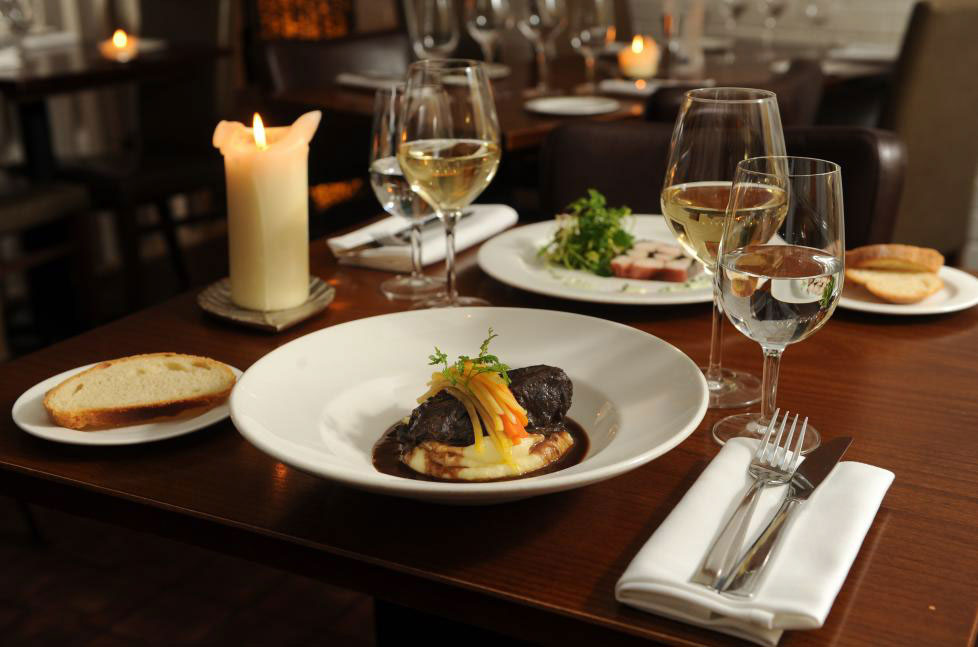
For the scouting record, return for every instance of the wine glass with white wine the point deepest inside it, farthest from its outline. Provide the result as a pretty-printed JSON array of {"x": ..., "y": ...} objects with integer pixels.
[
  {"x": 449, "y": 147},
  {"x": 716, "y": 128},
  {"x": 780, "y": 270}
]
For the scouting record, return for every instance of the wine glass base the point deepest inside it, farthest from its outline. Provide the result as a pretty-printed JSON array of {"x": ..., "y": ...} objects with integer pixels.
[
  {"x": 733, "y": 389},
  {"x": 445, "y": 302},
  {"x": 412, "y": 288},
  {"x": 750, "y": 425}
]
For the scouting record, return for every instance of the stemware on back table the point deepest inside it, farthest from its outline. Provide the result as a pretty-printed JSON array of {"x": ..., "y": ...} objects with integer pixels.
[
  {"x": 780, "y": 269},
  {"x": 591, "y": 24},
  {"x": 449, "y": 146},
  {"x": 541, "y": 21},
  {"x": 432, "y": 26},
  {"x": 716, "y": 128},
  {"x": 485, "y": 20}
]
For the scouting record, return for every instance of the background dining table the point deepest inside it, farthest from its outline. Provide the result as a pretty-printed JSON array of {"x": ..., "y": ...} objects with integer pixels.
[{"x": 544, "y": 569}]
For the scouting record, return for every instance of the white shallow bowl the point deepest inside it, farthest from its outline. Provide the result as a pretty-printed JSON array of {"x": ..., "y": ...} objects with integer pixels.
[{"x": 321, "y": 402}]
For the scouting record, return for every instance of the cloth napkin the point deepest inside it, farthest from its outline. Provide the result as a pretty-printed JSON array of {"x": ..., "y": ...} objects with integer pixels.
[
  {"x": 804, "y": 573},
  {"x": 648, "y": 87},
  {"x": 367, "y": 82},
  {"x": 486, "y": 221}
]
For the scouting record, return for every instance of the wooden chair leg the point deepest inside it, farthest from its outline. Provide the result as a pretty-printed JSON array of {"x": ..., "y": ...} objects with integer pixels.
[
  {"x": 169, "y": 226},
  {"x": 128, "y": 232}
]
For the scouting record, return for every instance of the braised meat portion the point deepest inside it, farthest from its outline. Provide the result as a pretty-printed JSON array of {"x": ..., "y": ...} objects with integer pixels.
[{"x": 544, "y": 391}]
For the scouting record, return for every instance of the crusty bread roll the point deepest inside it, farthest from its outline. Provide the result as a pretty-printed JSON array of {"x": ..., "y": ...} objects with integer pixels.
[
  {"x": 138, "y": 389},
  {"x": 896, "y": 287},
  {"x": 904, "y": 258}
]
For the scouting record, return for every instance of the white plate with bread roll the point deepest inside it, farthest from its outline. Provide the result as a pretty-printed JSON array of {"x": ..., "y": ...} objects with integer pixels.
[
  {"x": 131, "y": 400},
  {"x": 905, "y": 280}
]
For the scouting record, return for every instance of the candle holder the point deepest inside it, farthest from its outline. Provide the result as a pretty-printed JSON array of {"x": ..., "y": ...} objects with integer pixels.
[
  {"x": 268, "y": 211},
  {"x": 216, "y": 300}
]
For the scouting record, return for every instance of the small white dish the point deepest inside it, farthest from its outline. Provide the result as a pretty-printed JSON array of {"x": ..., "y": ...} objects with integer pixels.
[
  {"x": 321, "y": 402},
  {"x": 960, "y": 292},
  {"x": 572, "y": 106},
  {"x": 511, "y": 257},
  {"x": 29, "y": 414}
]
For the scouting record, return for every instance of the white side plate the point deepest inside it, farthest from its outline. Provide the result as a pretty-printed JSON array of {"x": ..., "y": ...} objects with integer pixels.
[
  {"x": 960, "y": 292},
  {"x": 570, "y": 106},
  {"x": 29, "y": 414}
]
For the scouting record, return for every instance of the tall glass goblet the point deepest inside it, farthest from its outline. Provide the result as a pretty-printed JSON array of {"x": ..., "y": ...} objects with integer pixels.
[
  {"x": 540, "y": 21},
  {"x": 590, "y": 21},
  {"x": 485, "y": 20},
  {"x": 772, "y": 11},
  {"x": 716, "y": 128},
  {"x": 449, "y": 146},
  {"x": 433, "y": 27},
  {"x": 396, "y": 197},
  {"x": 781, "y": 268}
]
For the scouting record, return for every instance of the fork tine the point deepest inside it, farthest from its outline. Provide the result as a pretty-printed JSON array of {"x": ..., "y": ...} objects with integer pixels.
[
  {"x": 777, "y": 441},
  {"x": 800, "y": 445},
  {"x": 765, "y": 442},
  {"x": 787, "y": 443}
]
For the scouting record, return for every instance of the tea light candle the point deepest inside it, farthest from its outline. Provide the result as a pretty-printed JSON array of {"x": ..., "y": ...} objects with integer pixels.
[
  {"x": 121, "y": 47},
  {"x": 266, "y": 171},
  {"x": 641, "y": 60}
]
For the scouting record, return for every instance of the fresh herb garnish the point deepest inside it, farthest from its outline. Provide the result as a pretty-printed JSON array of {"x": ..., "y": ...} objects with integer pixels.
[
  {"x": 484, "y": 363},
  {"x": 589, "y": 235}
]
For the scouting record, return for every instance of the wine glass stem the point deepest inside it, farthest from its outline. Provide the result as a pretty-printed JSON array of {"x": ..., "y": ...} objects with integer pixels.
[
  {"x": 543, "y": 82},
  {"x": 450, "y": 218},
  {"x": 714, "y": 374},
  {"x": 589, "y": 65},
  {"x": 769, "y": 389},
  {"x": 486, "y": 47},
  {"x": 416, "y": 250}
]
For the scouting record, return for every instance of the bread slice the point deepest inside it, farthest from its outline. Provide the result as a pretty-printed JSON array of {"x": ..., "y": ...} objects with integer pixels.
[
  {"x": 896, "y": 287},
  {"x": 905, "y": 258},
  {"x": 138, "y": 389}
]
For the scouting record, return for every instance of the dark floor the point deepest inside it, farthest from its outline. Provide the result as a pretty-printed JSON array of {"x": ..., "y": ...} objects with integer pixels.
[{"x": 89, "y": 584}]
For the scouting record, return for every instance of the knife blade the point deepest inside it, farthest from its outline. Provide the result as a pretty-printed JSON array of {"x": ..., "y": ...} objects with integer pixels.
[
  {"x": 400, "y": 236},
  {"x": 745, "y": 575}
]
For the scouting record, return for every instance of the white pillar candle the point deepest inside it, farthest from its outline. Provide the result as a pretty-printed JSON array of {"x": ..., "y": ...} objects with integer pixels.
[
  {"x": 267, "y": 177},
  {"x": 641, "y": 59}
]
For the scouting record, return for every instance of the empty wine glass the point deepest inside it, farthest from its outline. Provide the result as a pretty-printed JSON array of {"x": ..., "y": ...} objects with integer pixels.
[
  {"x": 540, "y": 21},
  {"x": 772, "y": 11},
  {"x": 590, "y": 22},
  {"x": 716, "y": 128},
  {"x": 19, "y": 15},
  {"x": 485, "y": 21},
  {"x": 449, "y": 146},
  {"x": 396, "y": 197},
  {"x": 432, "y": 26},
  {"x": 781, "y": 267}
]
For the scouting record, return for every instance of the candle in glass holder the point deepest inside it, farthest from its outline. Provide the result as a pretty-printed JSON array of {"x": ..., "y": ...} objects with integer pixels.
[
  {"x": 641, "y": 59},
  {"x": 266, "y": 171},
  {"x": 121, "y": 47}
]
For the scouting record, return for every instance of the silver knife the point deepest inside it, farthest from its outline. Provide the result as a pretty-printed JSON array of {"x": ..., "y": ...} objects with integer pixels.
[
  {"x": 743, "y": 578},
  {"x": 398, "y": 237}
]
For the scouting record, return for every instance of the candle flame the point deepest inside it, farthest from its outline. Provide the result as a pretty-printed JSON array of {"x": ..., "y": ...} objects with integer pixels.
[
  {"x": 258, "y": 128},
  {"x": 119, "y": 38},
  {"x": 638, "y": 44}
]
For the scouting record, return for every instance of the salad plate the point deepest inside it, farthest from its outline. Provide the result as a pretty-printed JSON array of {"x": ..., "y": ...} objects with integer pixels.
[
  {"x": 512, "y": 258},
  {"x": 960, "y": 292},
  {"x": 321, "y": 402}
]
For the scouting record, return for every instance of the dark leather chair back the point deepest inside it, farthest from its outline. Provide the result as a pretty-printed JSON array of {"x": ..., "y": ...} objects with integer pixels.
[
  {"x": 799, "y": 92},
  {"x": 626, "y": 161}
]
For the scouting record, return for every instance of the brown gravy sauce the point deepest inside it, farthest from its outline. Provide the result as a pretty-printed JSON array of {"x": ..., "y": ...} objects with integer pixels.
[{"x": 387, "y": 455}]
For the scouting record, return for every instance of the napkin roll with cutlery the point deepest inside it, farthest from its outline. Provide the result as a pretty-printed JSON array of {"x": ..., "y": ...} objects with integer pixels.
[
  {"x": 803, "y": 576},
  {"x": 482, "y": 221}
]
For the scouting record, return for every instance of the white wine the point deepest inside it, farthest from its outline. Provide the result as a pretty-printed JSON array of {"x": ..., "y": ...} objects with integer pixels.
[
  {"x": 393, "y": 191},
  {"x": 449, "y": 173},
  {"x": 694, "y": 212},
  {"x": 779, "y": 294}
]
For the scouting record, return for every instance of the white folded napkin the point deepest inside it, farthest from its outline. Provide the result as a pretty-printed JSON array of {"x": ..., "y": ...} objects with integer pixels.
[
  {"x": 648, "y": 87},
  {"x": 865, "y": 52},
  {"x": 803, "y": 575},
  {"x": 368, "y": 82},
  {"x": 486, "y": 221}
]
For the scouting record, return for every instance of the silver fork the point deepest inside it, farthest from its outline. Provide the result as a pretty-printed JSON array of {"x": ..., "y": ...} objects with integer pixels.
[{"x": 772, "y": 464}]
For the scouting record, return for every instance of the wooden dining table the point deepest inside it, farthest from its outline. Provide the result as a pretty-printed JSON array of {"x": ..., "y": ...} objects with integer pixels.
[{"x": 544, "y": 569}]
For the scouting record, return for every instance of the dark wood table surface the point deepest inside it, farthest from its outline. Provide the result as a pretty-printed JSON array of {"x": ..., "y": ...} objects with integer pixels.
[
  {"x": 544, "y": 569},
  {"x": 522, "y": 129}
]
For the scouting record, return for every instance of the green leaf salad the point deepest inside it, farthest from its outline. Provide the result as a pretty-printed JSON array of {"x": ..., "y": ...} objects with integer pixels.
[{"x": 589, "y": 235}]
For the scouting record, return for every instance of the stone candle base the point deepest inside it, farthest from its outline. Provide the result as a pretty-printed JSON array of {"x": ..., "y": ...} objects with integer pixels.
[{"x": 216, "y": 299}]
